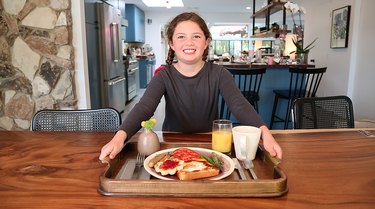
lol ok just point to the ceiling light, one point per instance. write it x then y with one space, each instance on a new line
163 3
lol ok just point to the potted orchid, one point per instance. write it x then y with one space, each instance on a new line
301 51
294 9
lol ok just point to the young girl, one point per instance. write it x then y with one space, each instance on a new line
191 88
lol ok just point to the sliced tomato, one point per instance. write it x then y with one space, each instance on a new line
185 154
169 164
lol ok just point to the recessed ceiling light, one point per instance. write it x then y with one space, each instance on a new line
163 3
248 8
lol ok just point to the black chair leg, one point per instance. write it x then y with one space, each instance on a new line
276 100
287 114
221 113
228 115
256 106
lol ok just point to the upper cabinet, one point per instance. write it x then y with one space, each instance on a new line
119 4
114 3
135 32
265 13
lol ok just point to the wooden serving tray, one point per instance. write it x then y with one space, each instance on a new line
271 181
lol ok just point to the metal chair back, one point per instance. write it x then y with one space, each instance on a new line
91 120
323 112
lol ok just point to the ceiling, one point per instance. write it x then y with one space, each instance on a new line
201 6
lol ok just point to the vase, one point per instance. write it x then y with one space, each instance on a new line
302 58
148 142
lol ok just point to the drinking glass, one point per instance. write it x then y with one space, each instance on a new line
222 136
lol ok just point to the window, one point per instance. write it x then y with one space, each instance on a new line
234 39
230 39
229 31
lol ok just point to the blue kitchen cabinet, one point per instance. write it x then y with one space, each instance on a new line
135 32
142 73
146 70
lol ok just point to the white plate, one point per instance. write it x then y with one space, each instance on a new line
228 166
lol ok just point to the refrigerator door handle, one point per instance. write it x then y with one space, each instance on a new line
111 83
115 42
132 71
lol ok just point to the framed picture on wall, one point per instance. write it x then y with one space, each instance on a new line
340 27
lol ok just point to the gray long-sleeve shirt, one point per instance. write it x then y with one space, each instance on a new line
191 102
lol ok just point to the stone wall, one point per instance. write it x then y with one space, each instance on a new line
36 60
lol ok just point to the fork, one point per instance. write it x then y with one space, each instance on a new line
138 164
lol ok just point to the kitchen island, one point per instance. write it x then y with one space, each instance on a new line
254 65
276 77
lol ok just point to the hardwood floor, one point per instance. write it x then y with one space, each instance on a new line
158 115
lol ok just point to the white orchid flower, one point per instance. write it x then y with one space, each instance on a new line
294 8
287 5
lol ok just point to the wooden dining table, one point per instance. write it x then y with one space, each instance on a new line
325 169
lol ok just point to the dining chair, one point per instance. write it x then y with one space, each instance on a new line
323 112
248 80
303 83
90 120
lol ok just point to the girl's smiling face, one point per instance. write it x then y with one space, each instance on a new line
189 42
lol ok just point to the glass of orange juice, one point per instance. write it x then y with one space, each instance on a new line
222 136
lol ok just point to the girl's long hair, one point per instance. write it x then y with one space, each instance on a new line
185 17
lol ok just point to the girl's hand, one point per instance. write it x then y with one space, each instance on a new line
112 148
270 143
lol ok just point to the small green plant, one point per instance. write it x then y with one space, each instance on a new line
299 47
149 124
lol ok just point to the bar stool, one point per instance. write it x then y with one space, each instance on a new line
304 82
248 80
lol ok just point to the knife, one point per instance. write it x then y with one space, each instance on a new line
239 168
249 165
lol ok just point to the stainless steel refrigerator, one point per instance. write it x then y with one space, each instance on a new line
112 68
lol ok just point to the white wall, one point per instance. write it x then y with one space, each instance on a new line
318 23
363 86
80 52
349 70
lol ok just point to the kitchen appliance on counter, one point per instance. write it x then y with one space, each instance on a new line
112 69
131 75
